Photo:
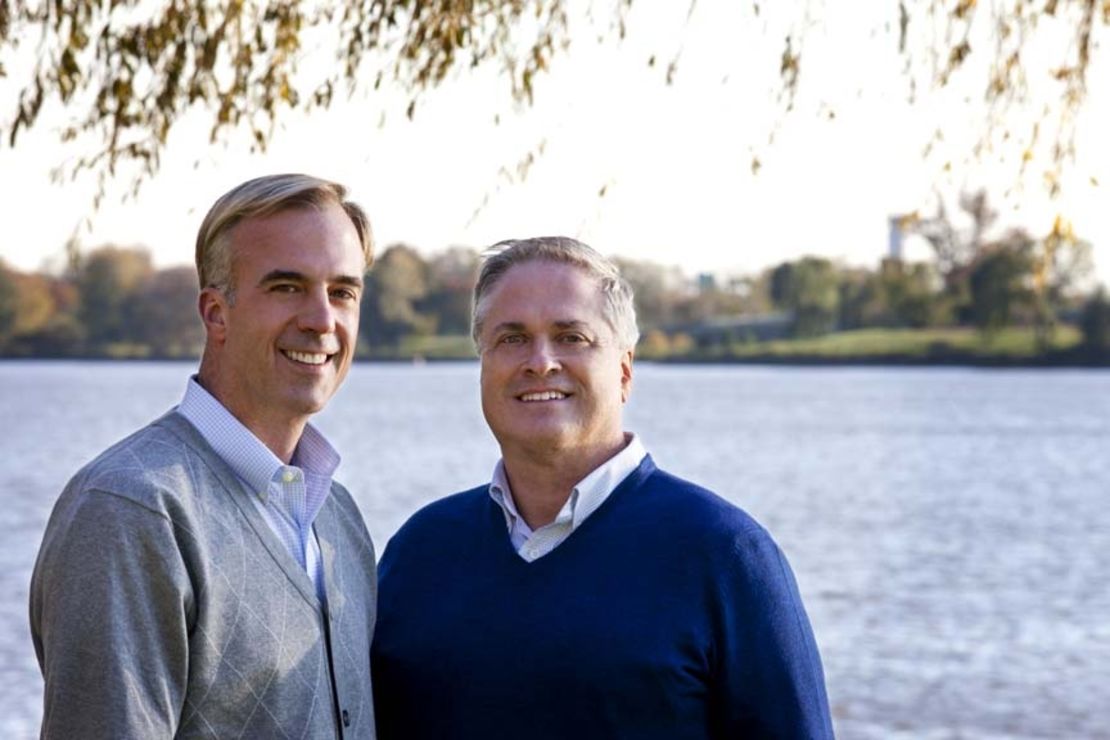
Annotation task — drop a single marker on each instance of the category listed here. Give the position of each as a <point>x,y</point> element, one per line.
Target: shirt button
<point>288,476</point>
<point>346,718</point>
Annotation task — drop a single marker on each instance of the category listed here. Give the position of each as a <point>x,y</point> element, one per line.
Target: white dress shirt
<point>585,498</point>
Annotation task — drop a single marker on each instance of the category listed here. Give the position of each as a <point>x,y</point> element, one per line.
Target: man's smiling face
<point>288,331</point>
<point>553,375</point>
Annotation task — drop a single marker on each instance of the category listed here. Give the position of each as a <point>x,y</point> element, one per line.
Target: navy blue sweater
<point>669,613</point>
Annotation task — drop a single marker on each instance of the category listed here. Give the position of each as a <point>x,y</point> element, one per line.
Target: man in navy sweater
<point>584,593</point>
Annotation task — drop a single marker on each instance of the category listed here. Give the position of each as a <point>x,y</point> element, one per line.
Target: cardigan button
<point>346,718</point>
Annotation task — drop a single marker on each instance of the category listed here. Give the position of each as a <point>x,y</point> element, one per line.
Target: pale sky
<point>674,161</point>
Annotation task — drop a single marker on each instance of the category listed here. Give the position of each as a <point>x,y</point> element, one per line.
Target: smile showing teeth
<point>543,396</point>
<point>307,358</point>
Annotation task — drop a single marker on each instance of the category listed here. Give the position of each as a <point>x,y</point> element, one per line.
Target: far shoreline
<point>1055,361</point>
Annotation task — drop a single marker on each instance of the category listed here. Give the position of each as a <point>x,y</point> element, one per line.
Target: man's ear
<point>212,305</point>
<point>626,375</point>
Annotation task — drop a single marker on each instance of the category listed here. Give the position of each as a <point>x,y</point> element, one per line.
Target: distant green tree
<point>861,300</point>
<point>35,304</point>
<point>1062,262</point>
<point>910,293</point>
<point>8,300</point>
<point>810,288</point>
<point>709,302</point>
<point>1095,324</point>
<point>107,279</point>
<point>781,285</point>
<point>163,314</point>
<point>956,242</point>
<point>753,290</point>
<point>62,336</point>
<point>451,277</point>
<point>46,316</point>
<point>394,290</point>
<point>1001,283</point>
<point>658,290</point>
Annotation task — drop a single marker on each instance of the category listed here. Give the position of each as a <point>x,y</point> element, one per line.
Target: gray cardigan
<point>162,605</point>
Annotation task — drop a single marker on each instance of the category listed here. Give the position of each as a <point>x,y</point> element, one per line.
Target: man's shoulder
<point>724,535</point>
<point>454,513</point>
<point>695,507</point>
<point>451,509</point>
<point>157,458</point>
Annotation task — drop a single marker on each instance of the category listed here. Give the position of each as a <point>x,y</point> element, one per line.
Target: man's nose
<point>542,358</point>
<point>317,313</point>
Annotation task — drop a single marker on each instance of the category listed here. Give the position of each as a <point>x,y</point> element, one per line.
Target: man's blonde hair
<point>265,196</point>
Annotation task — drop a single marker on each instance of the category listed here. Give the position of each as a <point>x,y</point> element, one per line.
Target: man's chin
<point>307,403</point>
<point>549,437</point>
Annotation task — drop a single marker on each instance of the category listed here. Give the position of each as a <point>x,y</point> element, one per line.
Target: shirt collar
<point>586,496</point>
<point>499,490</point>
<point>592,490</point>
<point>248,457</point>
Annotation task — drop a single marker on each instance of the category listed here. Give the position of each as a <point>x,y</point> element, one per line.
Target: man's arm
<point>770,680</point>
<point>111,601</point>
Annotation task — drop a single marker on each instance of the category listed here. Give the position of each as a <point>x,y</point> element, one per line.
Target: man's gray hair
<point>618,308</point>
<point>265,196</point>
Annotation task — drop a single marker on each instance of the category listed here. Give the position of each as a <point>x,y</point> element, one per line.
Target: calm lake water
<point>949,528</point>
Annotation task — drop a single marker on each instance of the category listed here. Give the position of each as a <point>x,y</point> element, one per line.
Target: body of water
<point>949,528</point>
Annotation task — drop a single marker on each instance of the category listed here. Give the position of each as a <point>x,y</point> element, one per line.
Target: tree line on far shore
<point>112,302</point>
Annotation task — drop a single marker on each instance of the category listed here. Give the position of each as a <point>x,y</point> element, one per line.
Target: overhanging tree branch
<point>128,71</point>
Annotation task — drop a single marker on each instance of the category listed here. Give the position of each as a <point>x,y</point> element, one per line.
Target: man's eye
<point>345,294</point>
<point>572,339</point>
<point>283,288</point>
<point>512,339</point>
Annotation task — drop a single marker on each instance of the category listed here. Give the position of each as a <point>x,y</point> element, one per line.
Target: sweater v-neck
<point>503,543</point>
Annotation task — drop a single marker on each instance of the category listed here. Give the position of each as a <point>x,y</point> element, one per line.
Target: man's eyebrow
<point>562,325</point>
<point>353,281</point>
<point>572,324</point>
<point>274,276</point>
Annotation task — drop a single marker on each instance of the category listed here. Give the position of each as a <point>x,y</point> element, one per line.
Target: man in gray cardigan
<point>205,577</point>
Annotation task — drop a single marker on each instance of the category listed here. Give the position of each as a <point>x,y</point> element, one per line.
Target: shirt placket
<point>291,483</point>
<point>543,540</point>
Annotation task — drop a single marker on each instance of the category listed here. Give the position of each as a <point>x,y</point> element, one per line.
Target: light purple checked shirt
<point>288,496</point>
